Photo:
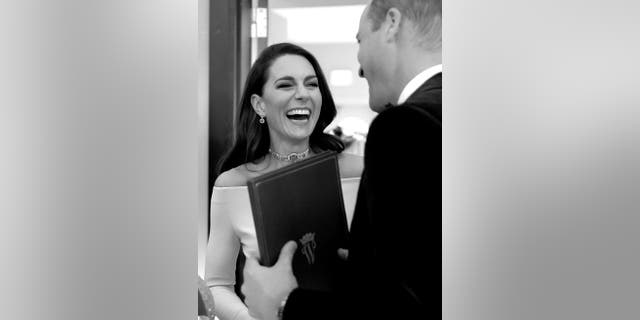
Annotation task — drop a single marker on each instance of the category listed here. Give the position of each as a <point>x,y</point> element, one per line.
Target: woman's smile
<point>299,115</point>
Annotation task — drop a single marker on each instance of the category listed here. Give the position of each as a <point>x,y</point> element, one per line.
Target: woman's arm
<point>222,250</point>
<point>228,305</point>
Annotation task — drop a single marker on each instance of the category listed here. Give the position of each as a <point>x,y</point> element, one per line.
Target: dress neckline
<point>244,187</point>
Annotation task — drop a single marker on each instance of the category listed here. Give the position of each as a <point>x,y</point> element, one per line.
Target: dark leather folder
<point>302,202</point>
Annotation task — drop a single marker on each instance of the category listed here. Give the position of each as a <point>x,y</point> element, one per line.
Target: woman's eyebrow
<point>290,78</point>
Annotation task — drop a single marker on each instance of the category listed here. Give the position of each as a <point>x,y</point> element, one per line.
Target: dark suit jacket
<point>395,264</point>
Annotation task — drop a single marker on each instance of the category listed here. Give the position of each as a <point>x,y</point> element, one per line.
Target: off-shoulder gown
<point>232,228</point>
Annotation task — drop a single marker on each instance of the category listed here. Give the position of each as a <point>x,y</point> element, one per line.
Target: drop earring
<point>261,120</point>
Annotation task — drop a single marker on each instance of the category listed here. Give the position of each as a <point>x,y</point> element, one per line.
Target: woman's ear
<point>258,105</point>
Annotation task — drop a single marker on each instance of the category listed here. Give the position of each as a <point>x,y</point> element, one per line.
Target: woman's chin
<point>299,134</point>
<point>299,131</point>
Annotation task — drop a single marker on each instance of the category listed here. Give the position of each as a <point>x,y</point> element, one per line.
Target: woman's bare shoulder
<point>238,176</point>
<point>235,177</point>
<point>351,165</point>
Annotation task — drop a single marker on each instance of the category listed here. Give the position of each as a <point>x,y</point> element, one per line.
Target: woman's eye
<point>283,85</point>
<point>312,84</point>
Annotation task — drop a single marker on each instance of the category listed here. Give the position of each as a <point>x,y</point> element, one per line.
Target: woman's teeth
<point>298,114</point>
<point>299,111</point>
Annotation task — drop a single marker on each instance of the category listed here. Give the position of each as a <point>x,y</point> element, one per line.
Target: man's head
<point>397,38</point>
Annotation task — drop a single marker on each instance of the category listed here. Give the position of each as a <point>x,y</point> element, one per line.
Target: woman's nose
<point>302,92</point>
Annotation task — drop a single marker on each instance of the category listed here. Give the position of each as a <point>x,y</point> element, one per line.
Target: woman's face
<point>291,99</point>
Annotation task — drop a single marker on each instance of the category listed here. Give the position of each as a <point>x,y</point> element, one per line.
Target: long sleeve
<point>404,169</point>
<point>222,250</point>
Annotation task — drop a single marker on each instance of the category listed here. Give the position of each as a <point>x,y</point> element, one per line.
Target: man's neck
<point>412,63</point>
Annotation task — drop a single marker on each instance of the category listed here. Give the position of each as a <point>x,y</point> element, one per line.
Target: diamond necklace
<point>292,157</point>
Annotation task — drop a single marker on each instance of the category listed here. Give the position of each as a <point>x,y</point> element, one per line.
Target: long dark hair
<point>251,141</point>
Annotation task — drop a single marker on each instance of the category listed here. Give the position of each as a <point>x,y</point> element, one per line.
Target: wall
<point>99,138</point>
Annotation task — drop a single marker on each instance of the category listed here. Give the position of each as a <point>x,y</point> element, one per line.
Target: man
<point>395,249</point>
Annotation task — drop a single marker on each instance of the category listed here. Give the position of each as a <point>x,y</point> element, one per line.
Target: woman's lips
<point>299,114</point>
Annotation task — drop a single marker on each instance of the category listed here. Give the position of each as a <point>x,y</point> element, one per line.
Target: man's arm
<point>403,162</point>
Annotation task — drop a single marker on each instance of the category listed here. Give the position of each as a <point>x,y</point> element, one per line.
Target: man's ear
<point>391,24</point>
<point>257,104</point>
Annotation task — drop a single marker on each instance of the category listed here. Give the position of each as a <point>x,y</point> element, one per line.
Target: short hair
<point>426,16</point>
<point>251,141</point>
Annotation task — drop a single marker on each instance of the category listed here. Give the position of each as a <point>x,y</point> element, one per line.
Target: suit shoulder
<point>405,117</point>
<point>351,165</point>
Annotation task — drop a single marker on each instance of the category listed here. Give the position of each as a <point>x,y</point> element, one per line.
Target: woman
<point>284,109</point>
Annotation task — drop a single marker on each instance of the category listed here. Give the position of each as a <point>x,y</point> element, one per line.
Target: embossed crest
<point>308,243</point>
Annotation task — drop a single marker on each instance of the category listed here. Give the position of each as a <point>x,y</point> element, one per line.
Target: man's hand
<point>343,254</point>
<point>264,288</point>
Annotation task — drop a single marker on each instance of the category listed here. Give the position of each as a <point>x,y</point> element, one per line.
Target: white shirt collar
<point>417,81</point>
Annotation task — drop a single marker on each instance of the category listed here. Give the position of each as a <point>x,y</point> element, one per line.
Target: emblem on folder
<point>308,243</point>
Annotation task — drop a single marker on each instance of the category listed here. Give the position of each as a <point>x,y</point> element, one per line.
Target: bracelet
<point>283,303</point>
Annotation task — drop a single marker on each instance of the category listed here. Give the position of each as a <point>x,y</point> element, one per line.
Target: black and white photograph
<point>300,160</point>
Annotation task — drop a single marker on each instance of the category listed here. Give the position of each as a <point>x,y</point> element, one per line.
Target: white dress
<point>232,228</point>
